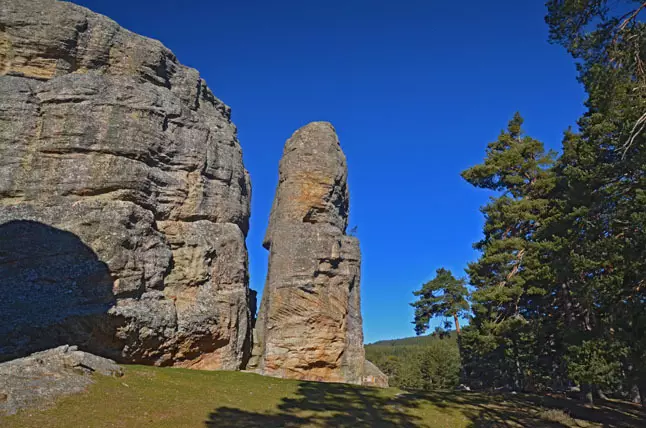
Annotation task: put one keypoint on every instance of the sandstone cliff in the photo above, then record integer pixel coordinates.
(309, 325)
(124, 203)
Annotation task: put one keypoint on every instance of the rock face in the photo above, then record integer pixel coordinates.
(124, 203)
(37, 380)
(309, 325)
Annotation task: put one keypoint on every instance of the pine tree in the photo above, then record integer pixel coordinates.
(508, 274)
(560, 285)
(604, 182)
(444, 296)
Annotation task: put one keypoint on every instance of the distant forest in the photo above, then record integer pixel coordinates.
(557, 298)
(418, 363)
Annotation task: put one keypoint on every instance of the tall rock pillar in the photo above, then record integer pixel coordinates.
(309, 325)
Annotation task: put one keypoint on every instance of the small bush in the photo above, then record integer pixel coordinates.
(558, 416)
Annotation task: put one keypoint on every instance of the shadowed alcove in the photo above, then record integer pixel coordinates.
(54, 290)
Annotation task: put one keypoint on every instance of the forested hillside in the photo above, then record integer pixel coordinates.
(411, 341)
(418, 363)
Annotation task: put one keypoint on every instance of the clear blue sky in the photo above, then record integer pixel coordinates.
(415, 89)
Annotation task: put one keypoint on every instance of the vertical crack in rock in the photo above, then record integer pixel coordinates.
(124, 202)
(309, 325)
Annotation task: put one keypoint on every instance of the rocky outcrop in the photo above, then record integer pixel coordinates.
(39, 379)
(309, 325)
(372, 376)
(124, 203)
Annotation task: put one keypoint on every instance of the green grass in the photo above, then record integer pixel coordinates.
(157, 397)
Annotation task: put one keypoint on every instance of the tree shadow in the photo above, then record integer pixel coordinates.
(54, 290)
(511, 410)
(340, 405)
(326, 405)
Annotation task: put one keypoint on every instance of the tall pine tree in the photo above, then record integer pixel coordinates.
(603, 178)
(507, 275)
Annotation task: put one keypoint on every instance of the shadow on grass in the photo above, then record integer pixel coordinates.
(527, 410)
(327, 405)
(338, 405)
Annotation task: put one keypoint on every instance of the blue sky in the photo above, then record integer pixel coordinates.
(415, 88)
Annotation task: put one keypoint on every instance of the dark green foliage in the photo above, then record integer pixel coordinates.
(500, 347)
(595, 362)
(424, 363)
(443, 296)
(603, 179)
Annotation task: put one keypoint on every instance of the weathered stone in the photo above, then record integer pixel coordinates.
(124, 203)
(309, 325)
(37, 380)
(372, 376)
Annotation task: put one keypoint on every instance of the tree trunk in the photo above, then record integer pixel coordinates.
(634, 394)
(457, 324)
(588, 397)
(518, 374)
(642, 392)
(569, 318)
(463, 371)
(600, 393)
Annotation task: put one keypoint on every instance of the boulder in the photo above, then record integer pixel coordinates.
(372, 376)
(39, 379)
(124, 202)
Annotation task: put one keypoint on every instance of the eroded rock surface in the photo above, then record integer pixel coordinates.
(372, 376)
(39, 379)
(124, 203)
(309, 325)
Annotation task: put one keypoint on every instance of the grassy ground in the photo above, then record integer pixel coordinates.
(154, 397)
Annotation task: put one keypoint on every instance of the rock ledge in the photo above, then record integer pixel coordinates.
(37, 380)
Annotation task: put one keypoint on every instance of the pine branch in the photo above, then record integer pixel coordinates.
(627, 18)
(634, 133)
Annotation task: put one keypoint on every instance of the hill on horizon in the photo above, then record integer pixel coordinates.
(414, 340)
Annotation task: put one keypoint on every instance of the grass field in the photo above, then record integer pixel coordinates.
(155, 397)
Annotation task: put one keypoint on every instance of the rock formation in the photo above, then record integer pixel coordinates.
(37, 380)
(124, 203)
(309, 325)
(372, 376)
